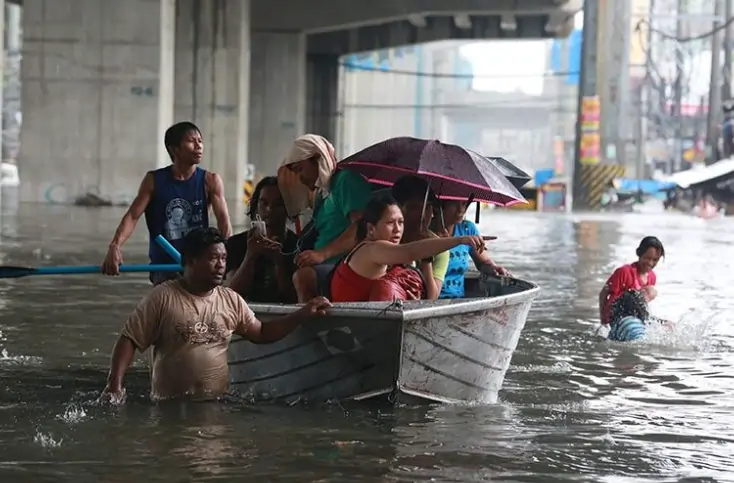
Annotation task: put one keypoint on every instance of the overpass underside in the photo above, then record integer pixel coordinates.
(103, 79)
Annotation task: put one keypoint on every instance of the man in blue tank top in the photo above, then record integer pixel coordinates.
(175, 200)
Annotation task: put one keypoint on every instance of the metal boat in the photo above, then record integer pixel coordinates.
(449, 351)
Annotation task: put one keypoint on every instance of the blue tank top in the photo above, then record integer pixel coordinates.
(177, 208)
(453, 283)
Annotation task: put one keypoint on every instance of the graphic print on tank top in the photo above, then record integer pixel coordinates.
(181, 218)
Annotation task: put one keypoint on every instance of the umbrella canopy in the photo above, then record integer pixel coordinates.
(453, 172)
(517, 177)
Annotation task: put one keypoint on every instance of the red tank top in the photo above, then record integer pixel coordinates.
(349, 286)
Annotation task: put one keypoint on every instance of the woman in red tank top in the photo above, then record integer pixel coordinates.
(638, 275)
(374, 270)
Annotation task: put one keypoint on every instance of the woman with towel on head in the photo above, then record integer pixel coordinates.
(308, 178)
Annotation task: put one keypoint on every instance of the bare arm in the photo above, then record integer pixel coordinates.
(346, 240)
(122, 357)
(482, 259)
(274, 330)
(250, 328)
(386, 253)
(134, 212)
(433, 285)
(603, 295)
(139, 332)
(215, 187)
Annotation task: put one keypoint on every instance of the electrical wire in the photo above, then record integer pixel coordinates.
(439, 75)
(702, 36)
(664, 119)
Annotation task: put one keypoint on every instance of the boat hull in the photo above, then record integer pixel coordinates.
(460, 358)
(443, 350)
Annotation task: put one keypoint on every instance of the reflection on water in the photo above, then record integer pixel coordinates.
(574, 407)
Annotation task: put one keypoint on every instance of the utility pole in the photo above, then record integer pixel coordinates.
(678, 89)
(726, 88)
(587, 90)
(614, 94)
(714, 114)
(645, 104)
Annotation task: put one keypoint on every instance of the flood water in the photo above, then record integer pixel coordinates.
(573, 408)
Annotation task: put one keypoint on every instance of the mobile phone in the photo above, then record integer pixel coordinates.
(257, 227)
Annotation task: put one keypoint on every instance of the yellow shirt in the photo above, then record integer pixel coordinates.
(440, 263)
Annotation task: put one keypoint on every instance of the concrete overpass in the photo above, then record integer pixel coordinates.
(102, 79)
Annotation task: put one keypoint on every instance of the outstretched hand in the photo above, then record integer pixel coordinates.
(476, 243)
(314, 307)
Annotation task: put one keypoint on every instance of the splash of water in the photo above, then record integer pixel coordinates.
(693, 330)
(73, 414)
(5, 357)
(47, 440)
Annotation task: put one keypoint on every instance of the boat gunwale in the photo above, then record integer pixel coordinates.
(405, 313)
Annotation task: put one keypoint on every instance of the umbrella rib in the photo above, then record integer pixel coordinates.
(419, 171)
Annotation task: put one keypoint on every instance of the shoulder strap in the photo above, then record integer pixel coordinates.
(354, 250)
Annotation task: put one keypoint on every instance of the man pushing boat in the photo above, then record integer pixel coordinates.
(189, 323)
(175, 200)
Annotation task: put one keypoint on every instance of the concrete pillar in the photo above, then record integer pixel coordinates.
(11, 87)
(2, 63)
(96, 93)
(2, 75)
(277, 96)
(212, 84)
(322, 94)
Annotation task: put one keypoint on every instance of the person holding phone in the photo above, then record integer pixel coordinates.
(260, 265)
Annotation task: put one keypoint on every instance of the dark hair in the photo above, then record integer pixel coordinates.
(373, 212)
(255, 198)
(650, 242)
(631, 303)
(411, 187)
(197, 241)
(175, 134)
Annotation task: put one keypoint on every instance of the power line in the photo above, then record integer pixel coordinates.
(668, 36)
(455, 76)
(546, 106)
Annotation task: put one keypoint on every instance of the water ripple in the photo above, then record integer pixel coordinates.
(574, 407)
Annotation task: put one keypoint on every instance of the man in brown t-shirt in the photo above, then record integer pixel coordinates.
(189, 323)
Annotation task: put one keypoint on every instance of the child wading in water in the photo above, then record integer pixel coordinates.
(630, 316)
(634, 276)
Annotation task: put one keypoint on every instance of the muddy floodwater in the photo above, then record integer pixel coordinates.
(573, 407)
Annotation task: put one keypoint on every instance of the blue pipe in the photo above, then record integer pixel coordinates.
(170, 249)
(82, 269)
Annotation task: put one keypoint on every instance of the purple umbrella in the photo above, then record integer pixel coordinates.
(453, 172)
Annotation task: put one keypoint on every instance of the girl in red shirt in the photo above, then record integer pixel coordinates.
(634, 276)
